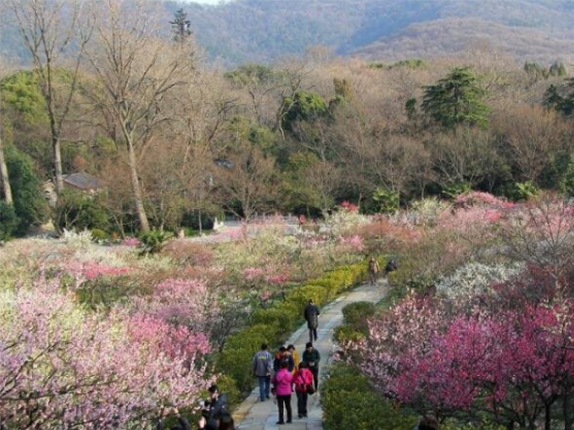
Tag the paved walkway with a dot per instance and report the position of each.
(253, 414)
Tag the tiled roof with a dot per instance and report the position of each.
(83, 181)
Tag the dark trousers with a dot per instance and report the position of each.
(264, 384)
(302, 403)
(312, 334)
(315, 372)
(285, 401)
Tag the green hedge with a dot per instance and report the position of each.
(273, 324)
(350, 403)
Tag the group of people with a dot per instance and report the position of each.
(374, 268)
(284, 373)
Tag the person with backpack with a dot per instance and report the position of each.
(391, 266)
(374, 269)
(262, 365)
(283, 387)
(311, 358)
(303, 387)
(311, 315)
(283, 355)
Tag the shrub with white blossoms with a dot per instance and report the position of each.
(345, 219)
(474, 279)
(427, 211)
(77, 238)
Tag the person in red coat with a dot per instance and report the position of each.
(303, 380)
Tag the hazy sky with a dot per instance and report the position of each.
(204, 1)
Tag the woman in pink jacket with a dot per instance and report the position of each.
(303, 380)
(283, 382)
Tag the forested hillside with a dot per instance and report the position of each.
(262, 31)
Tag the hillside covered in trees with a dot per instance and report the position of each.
(176, 142)
(263, 31)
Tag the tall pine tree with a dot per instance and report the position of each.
(181, 27)
(456, 100)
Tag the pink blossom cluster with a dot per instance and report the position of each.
(269, 275)
(92, 270)
(510, 359)
(131, 242)
(348, 206)
(354, 242)
(479, 198)
(64, 367)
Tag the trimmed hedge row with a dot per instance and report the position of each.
(349, 402)
(272, 325)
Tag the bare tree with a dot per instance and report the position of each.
(467, 155)
(136, 74)
(245, 181)
(50, 29)
(532, 135)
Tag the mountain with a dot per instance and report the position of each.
(264, 30)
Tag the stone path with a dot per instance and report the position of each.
(253, 414)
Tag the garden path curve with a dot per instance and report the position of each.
(253, 414)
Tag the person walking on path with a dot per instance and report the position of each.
(303, 379)
(311, 358)
(374, 269)
(311, 314)
(281, 356)
(262, 365)
(283, 384)
(295, 355)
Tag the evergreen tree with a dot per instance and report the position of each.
(181, 27)
(456, 99)
(562, 103)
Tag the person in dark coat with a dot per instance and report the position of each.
(311, 358)
(311, 315)
(216, 406)
(183, 423)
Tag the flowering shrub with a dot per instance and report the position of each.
(354, 242)
(84, 271)
(475, 279)
(478, 198)
(62, 366)
(77, 238)
(131, 241)
(510, 358)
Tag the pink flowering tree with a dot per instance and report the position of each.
(63, 367)
(513, 361)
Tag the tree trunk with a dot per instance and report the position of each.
(59, 175)
(199, 221)
(566, 412)
(547, 417)
(136, 188)
(4, 178)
